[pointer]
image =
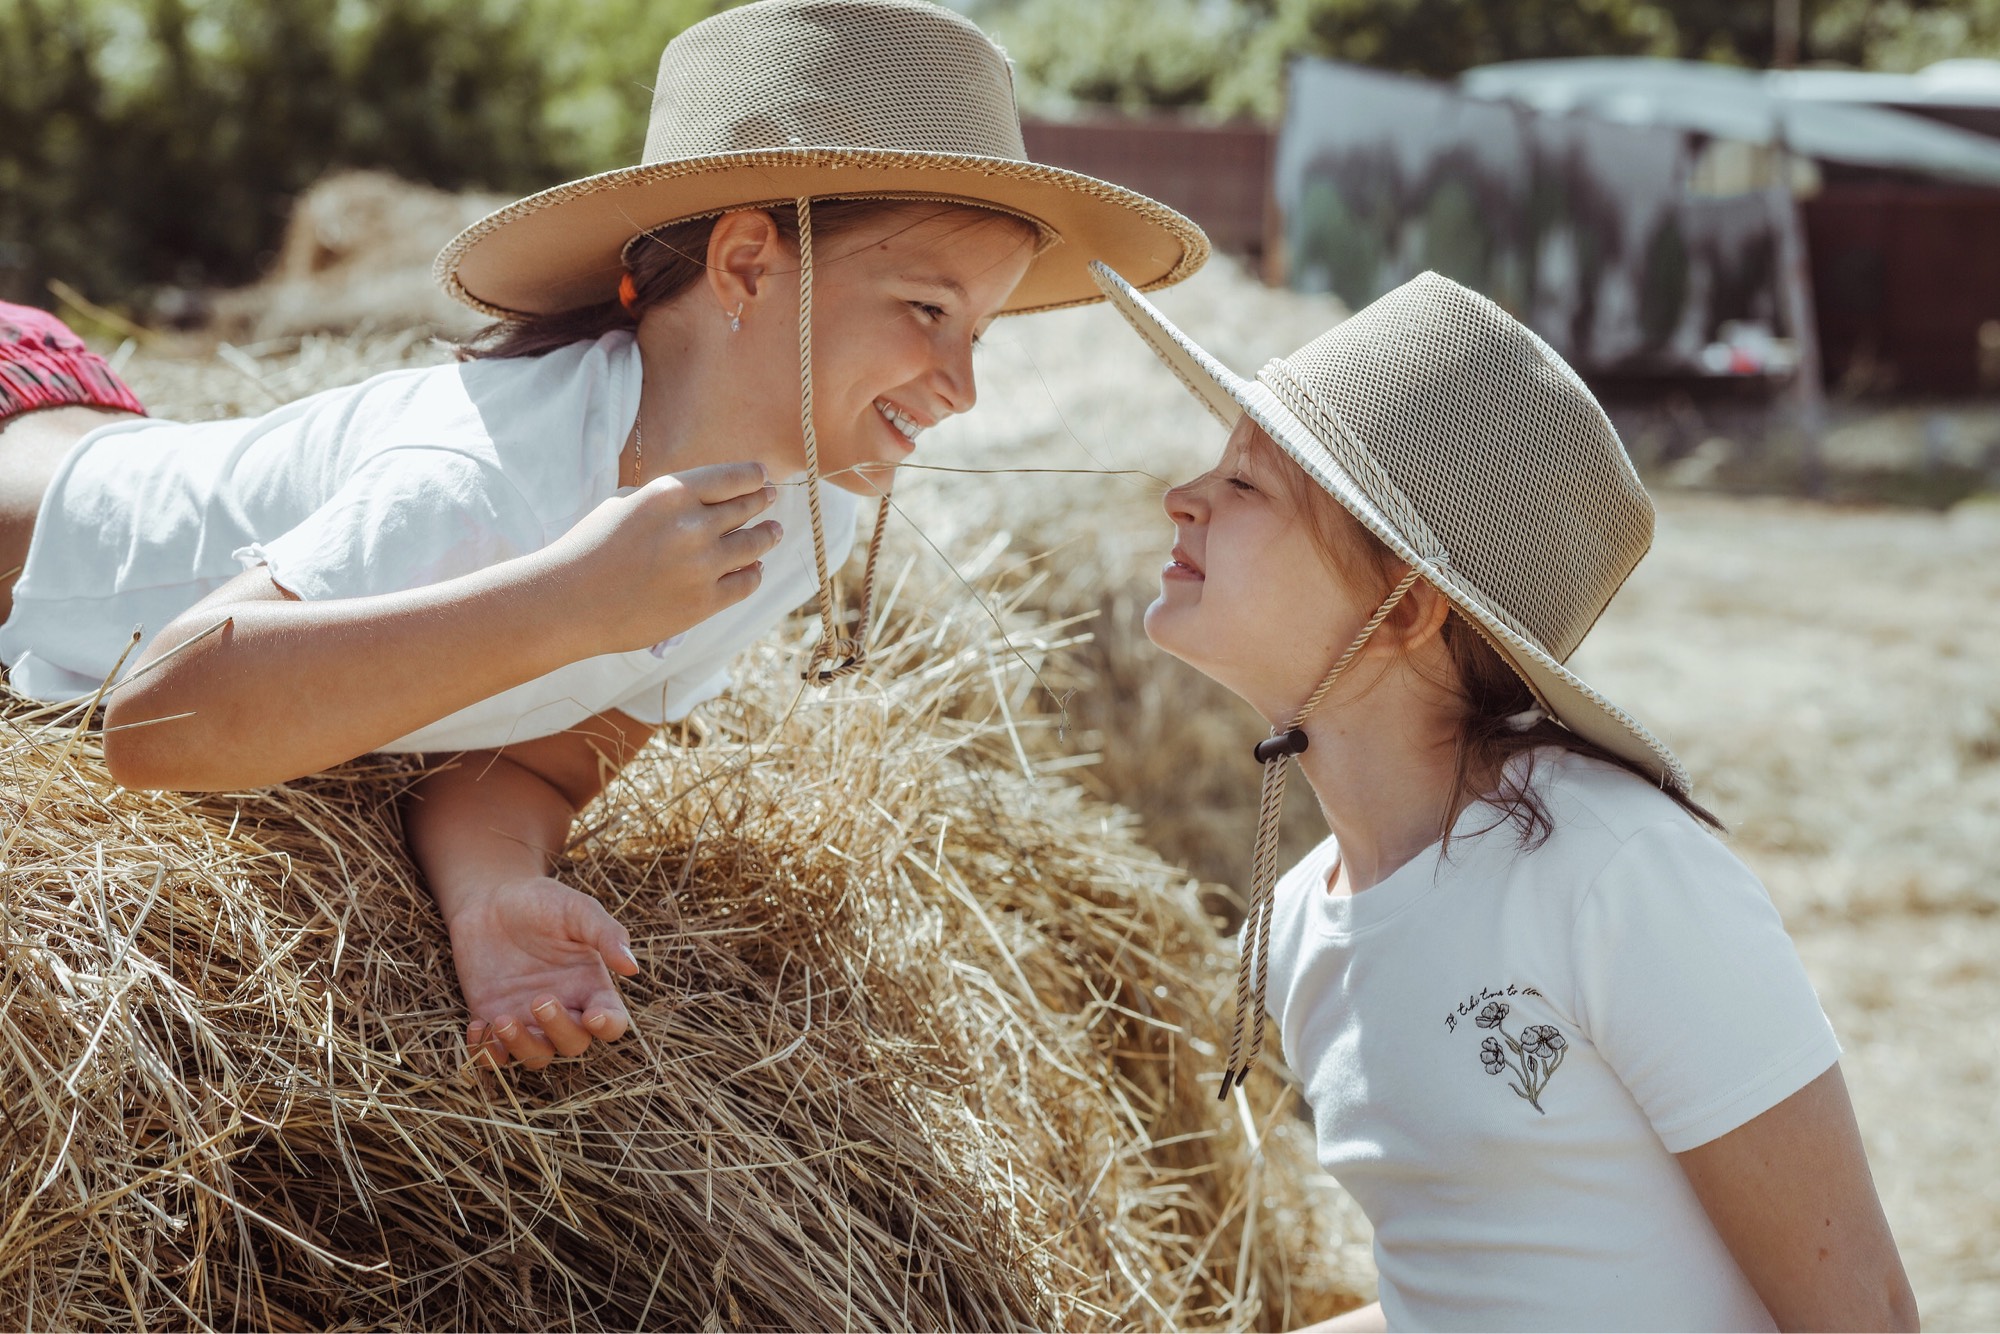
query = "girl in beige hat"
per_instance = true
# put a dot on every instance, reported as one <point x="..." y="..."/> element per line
<point x="1554" y="1037"/>
<point x="534" y="558"/>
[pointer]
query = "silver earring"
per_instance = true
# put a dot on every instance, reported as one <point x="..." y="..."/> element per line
<point x="736" y="320"/>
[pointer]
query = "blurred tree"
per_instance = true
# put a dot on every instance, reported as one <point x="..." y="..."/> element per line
<point x="153" y="142"/>
<point x="1227" y="57"/>
<point x="1130" y="54"/>
<point x="1441" y="37"/>
<point x="599" y="59"/>
<point x="1900" y="35"/>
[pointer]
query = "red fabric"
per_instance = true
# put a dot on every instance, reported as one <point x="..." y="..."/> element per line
<point x="43" y="364"/>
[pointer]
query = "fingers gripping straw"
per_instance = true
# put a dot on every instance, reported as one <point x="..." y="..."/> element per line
<point x="836" y="655"/>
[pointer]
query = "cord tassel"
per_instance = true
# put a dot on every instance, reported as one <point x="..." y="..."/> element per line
<point x="843" y="655"/>
<point x="1253" y="949"/>
<point x="1254" y="941"/>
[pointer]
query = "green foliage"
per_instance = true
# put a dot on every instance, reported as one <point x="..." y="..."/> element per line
<point x="1131" y="54"/>
<point x="1441" y="37"/>
<point x="599" y="60"/>
<point x="151" y="142"/>
<point x="147" y="142"/>
<point x="1902" y="34"/>
<point x="1227" y="57"/>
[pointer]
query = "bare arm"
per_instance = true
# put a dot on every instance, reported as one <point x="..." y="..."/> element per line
<point x="428" y="652"/>
<point x="1791" y="1194"/>
<point x="534" y="957"/>
<point x="290" y="687"/>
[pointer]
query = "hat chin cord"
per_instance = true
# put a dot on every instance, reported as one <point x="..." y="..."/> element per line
<point x="836" y="655"/>
<point x="1253" y="948"/>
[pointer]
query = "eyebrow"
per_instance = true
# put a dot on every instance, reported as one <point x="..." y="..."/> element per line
<point x="938" y="280"/>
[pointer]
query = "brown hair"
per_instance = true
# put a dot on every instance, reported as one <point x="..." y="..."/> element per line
<point x="1489" y="690"/>
<point x="668" y="260"/>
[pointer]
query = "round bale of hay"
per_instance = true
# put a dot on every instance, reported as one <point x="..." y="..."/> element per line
<point x="923" y="1039"/>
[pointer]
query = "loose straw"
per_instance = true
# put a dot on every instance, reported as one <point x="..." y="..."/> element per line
<point x="920" y="1042"/>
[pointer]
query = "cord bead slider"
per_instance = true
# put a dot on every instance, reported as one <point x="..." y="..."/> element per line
<point x="1278" y="747"/>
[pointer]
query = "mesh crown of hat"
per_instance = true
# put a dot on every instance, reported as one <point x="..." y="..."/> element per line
<point x="896" y="75"/>
<point x="1477" y="431"/>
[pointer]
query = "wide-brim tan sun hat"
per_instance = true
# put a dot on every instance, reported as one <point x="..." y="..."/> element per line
<point x="1474" y="452"/>
<point x="823" y="99"/>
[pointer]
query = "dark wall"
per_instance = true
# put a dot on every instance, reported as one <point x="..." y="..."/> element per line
<point x="1907" y="283"/>
<point x="1218" y="175"/>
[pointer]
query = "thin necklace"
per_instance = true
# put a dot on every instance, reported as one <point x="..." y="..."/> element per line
<point x="638" y="452"/>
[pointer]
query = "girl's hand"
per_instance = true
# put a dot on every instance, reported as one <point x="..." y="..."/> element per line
<point x="661" y="560"/>
<point x="535" y="959"/>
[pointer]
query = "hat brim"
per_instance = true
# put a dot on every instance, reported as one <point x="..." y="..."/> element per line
<point x="1230" y="397"/>
<point x="563" y="248"/>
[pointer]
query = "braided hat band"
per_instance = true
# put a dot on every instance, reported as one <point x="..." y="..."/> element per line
<point x="833" y="99"/>
<point x="1473" y="452"/>
<point x="1470" y="449"/>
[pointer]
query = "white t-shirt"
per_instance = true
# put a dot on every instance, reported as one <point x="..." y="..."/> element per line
<point x="407" y="479"/>
<point x="1503" y="1051"/>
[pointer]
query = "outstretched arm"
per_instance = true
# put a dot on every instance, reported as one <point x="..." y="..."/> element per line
<point x="534" y="957"/>
<point x="288" y="687"/>
<point x="285" y="688"/>
<point x="1791" y="1195"/>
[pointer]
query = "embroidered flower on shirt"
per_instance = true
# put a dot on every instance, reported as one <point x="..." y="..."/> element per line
<point x="1532" y="1059"/>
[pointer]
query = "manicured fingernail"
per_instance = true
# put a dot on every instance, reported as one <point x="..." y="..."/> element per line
<point x="507" y="1028"/>
<point x="544" y="1005"/>
<point x="625" y="956"/>
<point x="594" y="1022"/>
<point x="777" y="530"/>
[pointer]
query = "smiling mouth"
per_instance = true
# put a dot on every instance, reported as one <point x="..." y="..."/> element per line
<point x="901" y="420"/>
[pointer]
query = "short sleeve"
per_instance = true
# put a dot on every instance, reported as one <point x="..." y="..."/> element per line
<point x="407" y="518"/>
<point x="1690" y="988"/>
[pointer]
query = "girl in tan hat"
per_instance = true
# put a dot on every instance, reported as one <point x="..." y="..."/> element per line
<point x="1555" y="1040"/>
<point x="531" y="560"/>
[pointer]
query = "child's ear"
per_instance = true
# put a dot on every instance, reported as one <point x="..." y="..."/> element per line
<point x="1420" y="619"/>
<point x="743" y="246"/>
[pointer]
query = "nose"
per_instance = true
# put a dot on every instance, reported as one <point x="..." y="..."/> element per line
<point x="1186" y="503"/>
<point x="954" y="378"/>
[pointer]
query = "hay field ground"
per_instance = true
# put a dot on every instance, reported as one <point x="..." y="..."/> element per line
<point x="1828" y="675"/>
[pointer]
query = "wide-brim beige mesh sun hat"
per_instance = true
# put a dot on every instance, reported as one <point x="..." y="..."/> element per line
<point x="824" y="99"/>
<point x="1474" y="452"/>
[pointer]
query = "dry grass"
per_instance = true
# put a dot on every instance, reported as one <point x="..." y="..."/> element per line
<point x="924" y="1040"/>
<point x="1826" y="673"/>
<point x="1828" y="676"/>
<point x="352" y="248"/>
